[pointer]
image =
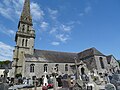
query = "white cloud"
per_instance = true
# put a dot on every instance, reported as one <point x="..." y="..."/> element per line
<point x="6" y="51"/>
<point x="53" y="13"/>
<point x="44" y="25"/>
<point x="54" y="29"/>
<point x="11" y="9"/>
<point x="6" y="31"/>
<point x="55" y="43"/>
<point x="66" y="28"/>
<point x="11" y="32"/>
<point x="61" y="32"/>
<point x="36" y="12"/>
<point x="86" y="10"/>
<point x="72" y="23"/>
<point x="6" y="12"/>
<point x="62" y="37"/>
<point x="6" y="2"/>
<point x="17" y="7"/>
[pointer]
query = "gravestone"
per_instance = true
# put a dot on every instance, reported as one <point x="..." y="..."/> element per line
<point x="30" y="82"/>
<point x="45" y="80"/>
<point x="25" y="81"/>
<point x="1" y="79"/>
<point x="110" y="86"/>
<point x="20" y="80"/>
<point x="89" y="88"/>
<point x="12" y="80"/>
<point x="15" y="81"/>
<point x="4" y="85"/>
<point x="59" y="82"/>
<point x="65" y="84"/>
<point x="85" y="77"/>
<point x="77" y="87"/>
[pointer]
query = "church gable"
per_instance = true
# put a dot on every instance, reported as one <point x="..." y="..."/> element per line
<point x="89" y="53"/>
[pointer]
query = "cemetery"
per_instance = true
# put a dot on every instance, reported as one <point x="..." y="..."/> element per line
<point x="77" y="81"/>
<point x="34" y="69"/>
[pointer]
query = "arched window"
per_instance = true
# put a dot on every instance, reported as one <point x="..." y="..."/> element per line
<point x="56" y="67"/>
<point x="32" y="67"/>
<point x="26" y="42"/>
<point x="45" y="67"/>
<point x="66" y="67"/>
<point x="23" y="42"/>
<point x="23" y="28"/>
<point x="27" y="28"/>
<point x="101" y="62"/>
<point x="82" y="71"/>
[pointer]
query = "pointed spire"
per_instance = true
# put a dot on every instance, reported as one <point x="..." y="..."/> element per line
<point x="26" y="16"/>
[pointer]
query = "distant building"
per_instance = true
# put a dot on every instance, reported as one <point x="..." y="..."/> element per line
<point x="31" y="62"/>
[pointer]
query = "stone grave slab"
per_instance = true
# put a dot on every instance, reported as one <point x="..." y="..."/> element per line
<point x="110" y="86"/>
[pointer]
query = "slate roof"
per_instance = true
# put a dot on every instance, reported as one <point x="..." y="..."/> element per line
<point x="89" y="52"/>
<point x="61" y="57"/>
<point x="53" y="56"/>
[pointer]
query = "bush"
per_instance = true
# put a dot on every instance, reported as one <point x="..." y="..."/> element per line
<point x="18" y="75"/>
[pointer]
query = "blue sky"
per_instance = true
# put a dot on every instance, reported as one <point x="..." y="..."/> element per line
<point x="64" y="25"/>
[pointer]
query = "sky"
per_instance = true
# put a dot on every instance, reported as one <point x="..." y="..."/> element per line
<point x="64" y="25"/>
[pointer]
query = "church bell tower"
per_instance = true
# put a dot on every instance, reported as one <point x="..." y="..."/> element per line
<point x="24" y="39"/>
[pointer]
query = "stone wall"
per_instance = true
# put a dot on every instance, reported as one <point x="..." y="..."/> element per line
<point x="98" y="64"/>
<point x="39" y="69"/>
<point x="90" y="62"/>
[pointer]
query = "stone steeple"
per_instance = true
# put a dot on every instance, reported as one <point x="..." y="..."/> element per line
<point x="26" y="34"/>
<point x="24" y="39"/>
<point x="26" y="15"/>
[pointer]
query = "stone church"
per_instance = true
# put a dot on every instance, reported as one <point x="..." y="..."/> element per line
<point x="30" y="62"/>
